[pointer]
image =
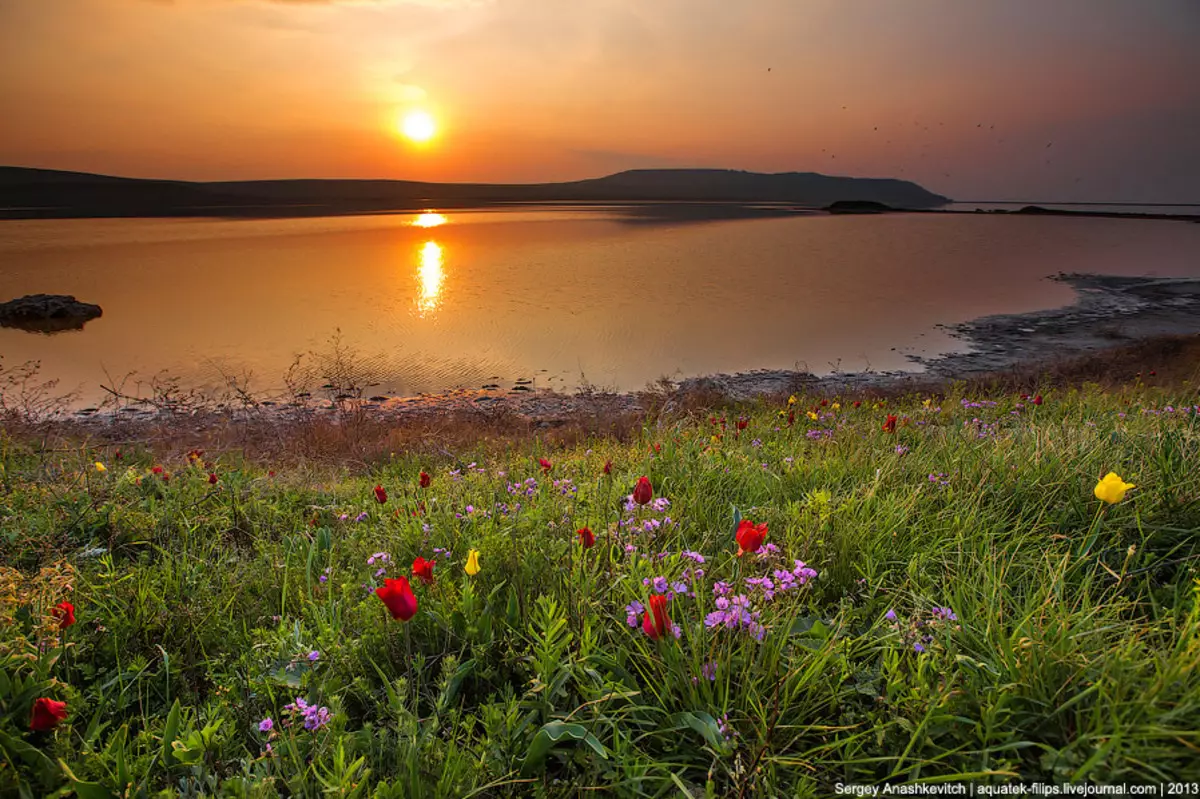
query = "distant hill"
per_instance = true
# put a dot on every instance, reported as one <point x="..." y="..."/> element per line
<point x="43" y="193"/>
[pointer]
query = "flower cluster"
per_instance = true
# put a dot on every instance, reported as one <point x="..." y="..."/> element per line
<point x="315" y="717"/>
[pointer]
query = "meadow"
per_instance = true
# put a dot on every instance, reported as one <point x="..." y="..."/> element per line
<point x="930" y="588"/>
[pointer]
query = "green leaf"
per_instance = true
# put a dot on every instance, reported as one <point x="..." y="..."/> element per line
<point x="702" y="723"/>
<point x="454" y="684"/>
<point x="549" y="735"/>
<point x="85" y="790"/>
<point x="171" y="732"/>
<point x="737" y="519"/>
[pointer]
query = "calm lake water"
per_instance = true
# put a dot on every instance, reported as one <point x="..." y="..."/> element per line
<point x="559" y="297"/>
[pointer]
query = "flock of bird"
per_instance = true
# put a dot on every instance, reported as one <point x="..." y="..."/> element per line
<point x="916" y="123"/>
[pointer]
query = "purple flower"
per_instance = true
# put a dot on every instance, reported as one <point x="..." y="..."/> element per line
<point x="720" y="588"/>
<point x="362" y="517"/>
<point x="890" y="615"/>
<point x="696" y="556"/>
<point x="314" y="656"/>
<point x="266" y="725"/>
<point x="944" y="614"/>
<point x="901" y="449"/>
<point x="633" y="612"/>
<point x="709" y="671"/>
<point x="660" y="585"/>
<point x="918" y="648"/>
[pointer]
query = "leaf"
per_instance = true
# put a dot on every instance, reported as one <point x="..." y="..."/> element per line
<point x="702" y="723"/>
<point x="85" y="790"/>
<point x="171" y="732"/>
<point x="810" y="626"/>
<point x="454" y="684"/>
<point x="549" y="735"/>
<point x="737" y="519"/>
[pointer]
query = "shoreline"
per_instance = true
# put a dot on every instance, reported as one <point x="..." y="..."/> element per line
<point x="1109" y="312"/>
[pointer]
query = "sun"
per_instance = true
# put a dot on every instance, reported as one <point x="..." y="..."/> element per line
<point x="418" y="126"/>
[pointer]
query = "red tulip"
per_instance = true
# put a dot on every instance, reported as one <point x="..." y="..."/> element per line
<point x="423" y="569"/>
<point x="656" y="623"/>
<point x="212" y="478"/>
<point x="46" y="714"/>
<point x="65" y="613"/>
<point x="585" y="537"/>
<point x="608" y="467"/>
<point x="750" y="536"/>
<point x="271" y="473"/>
<point x="1037" y="400"/>
<point x="545" y="464"/>
<point x="380" y="495"/>
<point x="425" y="480"/>
<point x="890" y="425"/>
<point x="118" y="455"/>
<point x="643" y="492"/>
<point x="858" y="403"/>
<point x="824" y="403"/>
<point x="398" y="596"/>
<point x="742" y="424"/>
<point x="1153" y="373"/>
<point x="791" y="418"/>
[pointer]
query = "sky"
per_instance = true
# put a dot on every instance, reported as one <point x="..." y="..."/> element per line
<point x="1069" y="100"/>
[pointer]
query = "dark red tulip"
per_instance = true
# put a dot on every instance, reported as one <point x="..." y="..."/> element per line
<point x="46" y="714"/>
<point x="750" y="536"/>
<point x="1153" y="373"/>
<point x="212" y="478"/>
<point x="65" y="613"/>
<point x="118" y="455"/>
<point x="824" y="403"/>
<point x="791" y="418"/>
<point x="1037" y="400"/>
<point x="890" y="425"/>
<point x="608" y="467"/>
<point x="380" y="494"/>
<point x="425" y="480"/>
<point x="742" y="424"/>
<point x="656" y="623"/>
<point x="657" y="448"/>
<point x="643" y="492"/>
<point x="858" y="403"/>
<point x="271" y="473"/>
<point x="546" y="465"/>
<point x="399" y="598"/>
<point x="423" y="570"/>
<point x="586" y="538"/>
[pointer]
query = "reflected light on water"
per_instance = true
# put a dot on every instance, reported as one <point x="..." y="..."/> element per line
<point x="430" y="275"/>
<point x="429" y="219"/>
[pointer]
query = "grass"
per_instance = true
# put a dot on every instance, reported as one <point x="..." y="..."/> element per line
<point x="1060" y="635"/>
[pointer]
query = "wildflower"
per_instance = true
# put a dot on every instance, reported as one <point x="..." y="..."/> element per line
<point x="944" y="614"/>
<point x="586" y="539"/>
<point x="890" y="615"/>
<point x="918" y="648"/>
<point x="750" y="536"/>
<point x="709" y="671"/>
<point x="791" y="418"/>
<point x="1037" y="400"/>
<point x="889" y="426"/>
<point x="314" y="656"/>
<point x="100" y="467"/>
<point x="397" y="595"/>
<point x="472" y="567"/>
<point x="660" y="624"/>
<point x="608" y="467"/>
<point x="791" y="400"/>
<point x="212" y="478"/>
<point x="901" y="450"/>
<point x="46" y="714"/>
<point x="380" y="494"/>
<point x="720" y="588"/>
<point x="742" y="423"/>
<point x="423" y="570"/>
<point x="813" y="415"/>
<point x="1112" y="488"/>
<point x="632" y="611"/>
<point x="545" y="464"/>
<point x="803" y="572"/>
<point x="643" y="491"/>
<point x="362" y="517"/>
<point x="266" y="725"/>
<point x="425" y="480"/>
<point x="65" y="613"/>
<point x="837" y="406"/>
<point x="271" y="473"/>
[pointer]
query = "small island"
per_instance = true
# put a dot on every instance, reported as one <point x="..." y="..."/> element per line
<point x="47" y="313"/>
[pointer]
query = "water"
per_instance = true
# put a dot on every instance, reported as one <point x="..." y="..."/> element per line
<point x="1100" y="208"/>
<point x="558" y="297"/>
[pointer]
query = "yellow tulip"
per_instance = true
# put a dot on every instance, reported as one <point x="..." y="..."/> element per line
<point x="837" y="406"/>
<point x="1112" y="488"/>
<point x="472" y="567"/>
<point x="791" y="400"/>
<point x="812" y="415"/>
<point x="100" y="467"/>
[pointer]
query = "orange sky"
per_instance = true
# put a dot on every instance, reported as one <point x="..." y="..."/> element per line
<point x="531" y="90"/>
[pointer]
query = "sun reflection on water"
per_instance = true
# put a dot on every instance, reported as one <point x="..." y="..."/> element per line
<point x="429" y="219"/>
<point x="430" y="275"/>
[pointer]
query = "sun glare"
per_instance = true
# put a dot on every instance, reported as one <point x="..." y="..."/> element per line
<point x="430" y="277"/>
<point x="418" y="126"/>
<point x="429" y="219"/>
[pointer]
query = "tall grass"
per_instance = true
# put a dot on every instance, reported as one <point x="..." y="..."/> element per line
<point x="977" y="613"/>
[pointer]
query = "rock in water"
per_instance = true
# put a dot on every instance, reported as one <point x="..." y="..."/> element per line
<point x="47" y="313"/>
